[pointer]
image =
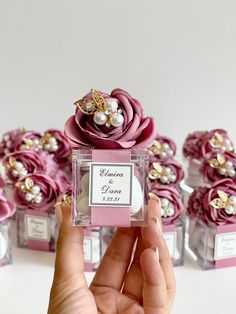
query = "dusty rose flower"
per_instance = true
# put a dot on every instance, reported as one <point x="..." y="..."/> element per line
<point x="219" y="166"/>
<point x="195" y="209"/>
<point x="7" y="144"/>
<point x="7" y="209"/>
<point x="29" y="140"/>
<point x="21" y="163"/>
<point x="36" y="191"/>
<point x="100" y="130"/>
<point x="163" y="147"/>
<point x="192" y="144"/>
<point x="168" y="172"/>
<point x="171" y="204"/>
<point x="215" y="141"/>
<point x="224" y="210"/>
<point x="55" y="142"/>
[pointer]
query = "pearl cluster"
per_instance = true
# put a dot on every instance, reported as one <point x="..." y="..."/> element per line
<point x="162" y="149"/>
<point x="50" y="143"/>
<point x="225" y="167"/>
<point x="34" y="195"/>
<point x="223" y="143"/>
<point x="167" y="208"/>
<point x="230" y="207"/>
<point x="30" y="144"/>
<point x="111" y="116"/>
<point x="19" y="170"/>
<point x="164" y="174"/>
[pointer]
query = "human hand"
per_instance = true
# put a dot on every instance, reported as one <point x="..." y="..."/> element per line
<point x="124" y="283"/>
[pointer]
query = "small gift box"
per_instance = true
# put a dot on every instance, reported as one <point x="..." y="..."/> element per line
<point x="7" y="209"/>
<point x="35" y="196"/>
<point x="110" y="164"/>
<point x="173" y="227"/>
<point x="212" y="226"/>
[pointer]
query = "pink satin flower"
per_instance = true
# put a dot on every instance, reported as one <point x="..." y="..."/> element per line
<point x="30" y="160"/>
<point x="29" y="140"/>
<point x="195" y="208"/>
<point x="173" y="196"/>
<point x="7" y="209"/>
<point x="7" y="144"/>
<point x="49" y="193"/>
<point x="192" y="144"/>
<point x="136" y="131"/>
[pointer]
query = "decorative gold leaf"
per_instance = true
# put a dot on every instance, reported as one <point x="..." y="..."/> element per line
<point x="98" y="99"/>
<point x="29" y="183"/>
<point x="28" y="141"/>
<point x="157" y="144"/>
<point x="220" y="159"/>
<point x="219" y="137"/>
<point x="217" y="203"/>
<point x="67" y="199"/>
<point x="153" y="174"/>
<point x="223" y="196"/>
<point x="157" y="167"/>
<point x="213" y="163"/>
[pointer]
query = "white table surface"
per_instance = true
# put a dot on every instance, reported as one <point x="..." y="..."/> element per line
<point x="25" y="286"/>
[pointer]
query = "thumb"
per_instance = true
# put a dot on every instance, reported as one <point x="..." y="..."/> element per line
<point x="69" y="254"/>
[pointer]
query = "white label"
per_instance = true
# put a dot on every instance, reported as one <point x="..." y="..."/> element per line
<point x="170" y="238"/>
<point x="111" y="184"/>
<point x="37" y="228"/>
<point x="225" y="245"/>
<point x="88" y="250"/>
<point x="3" y="246"/>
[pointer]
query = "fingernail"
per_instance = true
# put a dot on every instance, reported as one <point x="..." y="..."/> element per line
<point x="58" y="214"/>
<point x="153" y="196"/>
<point x="155" y="249"/>
<point x="157" y="221"/>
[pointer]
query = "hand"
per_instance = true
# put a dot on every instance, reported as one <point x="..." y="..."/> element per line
<point x="147" y="285"/>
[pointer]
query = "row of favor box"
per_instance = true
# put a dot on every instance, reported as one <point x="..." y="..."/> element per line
<point x="211" y="247"/>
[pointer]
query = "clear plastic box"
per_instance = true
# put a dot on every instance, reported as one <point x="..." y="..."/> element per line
<point x="5" y="243"/>
<point x="133" y="188"/>
<point x="36" y="230"/>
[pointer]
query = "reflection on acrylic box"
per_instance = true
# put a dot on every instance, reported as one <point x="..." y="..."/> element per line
<point x="92" y="248"/>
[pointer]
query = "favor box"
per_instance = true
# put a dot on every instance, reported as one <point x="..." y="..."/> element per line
<point x="92" y="248"/>
<point x="212" y="246"/>
<point x="5" y="243"/>
<point x="194" y="177"/>
<point x="36" y="230"/>
<point x="109" y="187"/>
<point x="174" y="235"/>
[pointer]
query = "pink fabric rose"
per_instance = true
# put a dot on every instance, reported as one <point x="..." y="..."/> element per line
<point x="2" y="184"/>
<point x="29" y="140"/>
<point x="55" y="142"/>
<point x="21" y="163"/>
<point x="7" y="209"/>
<point x="163" y="147"/>
<point x="226" y="213"/>
<point x="171" y="204"/>
<point x="37" y="192"/>
<point x="195" y="209"/>
<point x="192" y="144"/>
<point x="219" y="166"/>
<point x="7" y="143"/>
<point x="168" y="172"/>
<point x="215" y="141"/>
<point x="135" y="132"/>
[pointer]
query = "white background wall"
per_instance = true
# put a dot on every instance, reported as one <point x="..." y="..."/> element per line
<point x="176" y="56"/>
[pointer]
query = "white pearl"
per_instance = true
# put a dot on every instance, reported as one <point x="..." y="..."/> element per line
<point x="222" y="171"/>
<point x="164" y="179"/>
<point x="100" y="118"/>
<point x="172" y="178"/>
<point x="36" y="142"/>
<point x="54" y="148"/>
<point x="164" y="202"/>
<point x="24" y="172"/>
<point x="52" y="140"/>
<point x="230" y="210"/>
<point x="229" y="164"/>
<point x="166" y="146"/>
<point x="111" y="105"/>
<point x="15" y="173"/>
<point x="162" y="212"/>
<point x="171" y="211"/>
<point x="35" y="189"/>
<point x="19" y="165"/>
<point x="171" y="153"/>
<point x="167" y="170"/>
<point x="233" y="199"/>
<point x="117" y="119"/>
<point x="29" y="197"/>
<point x="231" y="172"/>
<point x="38" y="199"/>
<point x="47" y="146"/>
<point x="163" y="155"/>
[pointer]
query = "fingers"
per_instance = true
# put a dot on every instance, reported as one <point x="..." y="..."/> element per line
<point x="69" y="254"/>
<point x="152" y="237"/>
<point x="154" y="283"/>
<point x="116" y="260"/>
